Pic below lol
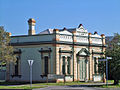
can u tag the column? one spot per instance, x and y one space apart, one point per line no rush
93 63
90 58
78 70
103 43
66 63
97 65
71 67
42 66
74 57
49 65
60 66
56 51
87 70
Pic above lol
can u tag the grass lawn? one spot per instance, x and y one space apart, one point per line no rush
6 85
61 83
17 85
20 87
44 84
110 81
111 86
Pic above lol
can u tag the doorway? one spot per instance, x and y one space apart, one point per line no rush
82 68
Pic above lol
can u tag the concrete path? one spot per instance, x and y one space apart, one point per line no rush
77 87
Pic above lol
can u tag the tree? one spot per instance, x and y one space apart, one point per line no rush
6 50
113 50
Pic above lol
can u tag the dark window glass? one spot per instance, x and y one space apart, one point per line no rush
46 65
16 66
63 65
68 66
95 65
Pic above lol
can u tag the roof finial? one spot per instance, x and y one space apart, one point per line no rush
64 28
80 25
95 32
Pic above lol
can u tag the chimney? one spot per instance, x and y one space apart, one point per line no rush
10 34
31 23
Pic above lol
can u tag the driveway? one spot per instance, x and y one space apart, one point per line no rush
78 87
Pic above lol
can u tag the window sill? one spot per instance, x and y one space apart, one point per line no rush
16 76
43 75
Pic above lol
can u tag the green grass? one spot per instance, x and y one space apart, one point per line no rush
61 83
42 85
20 87
110 81
56 84
110 86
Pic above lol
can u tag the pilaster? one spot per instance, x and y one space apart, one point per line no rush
90 57
56 51
97 65
78 70
103 43
61 66
66 65
71 67
74 58
87 70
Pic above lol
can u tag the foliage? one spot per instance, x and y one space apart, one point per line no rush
6 50
101 67
113 51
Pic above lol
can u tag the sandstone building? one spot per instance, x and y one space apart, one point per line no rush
56 52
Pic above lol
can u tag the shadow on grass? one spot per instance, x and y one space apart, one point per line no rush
87 85
12 83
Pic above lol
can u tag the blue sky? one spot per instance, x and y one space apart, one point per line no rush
102 16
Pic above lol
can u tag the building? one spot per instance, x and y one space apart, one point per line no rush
56 52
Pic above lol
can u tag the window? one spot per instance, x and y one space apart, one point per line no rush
17 66
46 65
2 66
95 65
68 65
63 65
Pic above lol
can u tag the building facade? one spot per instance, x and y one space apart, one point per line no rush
72 53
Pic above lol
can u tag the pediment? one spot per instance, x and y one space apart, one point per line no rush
83 52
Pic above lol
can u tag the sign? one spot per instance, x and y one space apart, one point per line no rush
59 76
97 78
30 62
51 76
54 76
102 59
109 57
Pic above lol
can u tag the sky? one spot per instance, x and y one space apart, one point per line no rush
102 16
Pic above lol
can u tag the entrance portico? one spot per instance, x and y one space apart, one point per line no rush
82 64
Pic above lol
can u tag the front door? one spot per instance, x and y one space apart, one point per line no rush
46 65
82 68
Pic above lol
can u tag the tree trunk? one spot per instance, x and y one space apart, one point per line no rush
116 82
